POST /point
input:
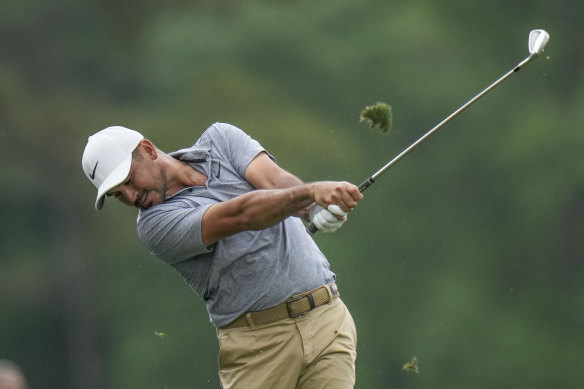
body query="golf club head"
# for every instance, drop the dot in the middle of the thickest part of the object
(537, 41)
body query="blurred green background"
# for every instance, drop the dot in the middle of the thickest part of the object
(467, 255)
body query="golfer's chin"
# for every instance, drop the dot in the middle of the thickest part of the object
(151, 199)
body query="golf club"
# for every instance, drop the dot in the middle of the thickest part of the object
(537, 41)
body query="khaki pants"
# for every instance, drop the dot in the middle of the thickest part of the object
(313, 351)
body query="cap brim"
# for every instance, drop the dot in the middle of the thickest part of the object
(115, 178)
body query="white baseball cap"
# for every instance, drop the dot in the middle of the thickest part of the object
(107, 158)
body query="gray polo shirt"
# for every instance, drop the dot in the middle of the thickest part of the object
(248, 271)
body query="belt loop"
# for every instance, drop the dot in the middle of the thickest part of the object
(249, 319)
(330, 292)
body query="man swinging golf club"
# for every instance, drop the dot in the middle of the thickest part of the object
(221, 213)
(227, 218)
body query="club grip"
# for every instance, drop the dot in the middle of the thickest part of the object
(366, 184)
(311, 229)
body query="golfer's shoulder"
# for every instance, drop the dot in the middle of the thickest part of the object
(223, 131)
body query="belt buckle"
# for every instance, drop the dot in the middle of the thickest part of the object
(294, 299)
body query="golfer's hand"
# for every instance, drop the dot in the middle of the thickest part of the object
(327, 220)
(343, 194)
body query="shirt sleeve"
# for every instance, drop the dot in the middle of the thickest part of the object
(235, 146)
(172, 231)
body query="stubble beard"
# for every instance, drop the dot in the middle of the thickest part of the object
(160, 191)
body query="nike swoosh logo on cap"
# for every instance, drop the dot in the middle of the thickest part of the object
(92, 174)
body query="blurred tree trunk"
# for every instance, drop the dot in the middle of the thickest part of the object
(75, 271)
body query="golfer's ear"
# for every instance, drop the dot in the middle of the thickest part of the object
(148, 149)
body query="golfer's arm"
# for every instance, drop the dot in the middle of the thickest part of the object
(263, 173)
(279, 195)
(255, 210)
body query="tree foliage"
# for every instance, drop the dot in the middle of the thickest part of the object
(468, 255)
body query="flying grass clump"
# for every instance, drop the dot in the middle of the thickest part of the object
(161, 335)
(412, 366)
(377, 116)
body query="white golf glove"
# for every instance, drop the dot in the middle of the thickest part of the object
(326, 219)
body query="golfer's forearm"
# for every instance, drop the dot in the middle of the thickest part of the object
(256, 210)
(285, 180)
(289, 181)
(264, 208)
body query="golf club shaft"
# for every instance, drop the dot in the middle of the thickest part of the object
(368, 182)
(372, 179)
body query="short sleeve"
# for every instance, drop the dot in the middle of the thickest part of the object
(235, 146)
(172, 231)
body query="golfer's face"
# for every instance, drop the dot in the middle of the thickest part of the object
(144, 186)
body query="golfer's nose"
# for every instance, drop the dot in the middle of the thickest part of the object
(130, 194)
